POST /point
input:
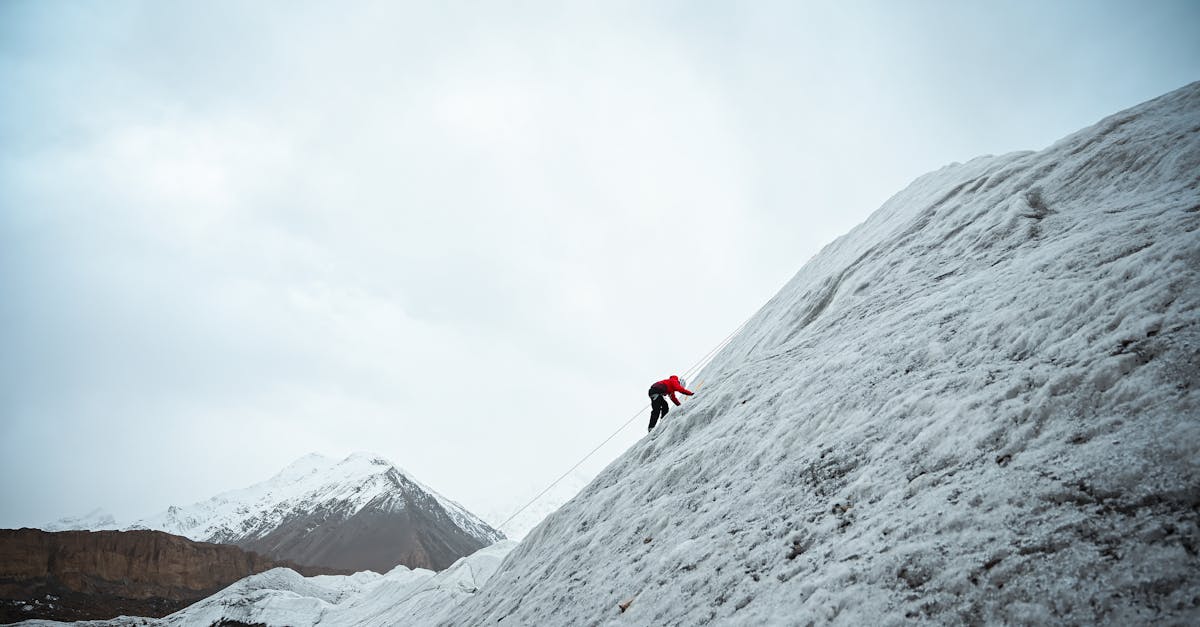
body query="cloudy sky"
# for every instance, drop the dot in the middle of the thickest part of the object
(464, 235)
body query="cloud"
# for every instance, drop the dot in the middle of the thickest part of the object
(464, 236)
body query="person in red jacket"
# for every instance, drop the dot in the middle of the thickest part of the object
(658, 404)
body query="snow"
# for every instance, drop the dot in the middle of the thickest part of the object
(355, 482)
(980, 406)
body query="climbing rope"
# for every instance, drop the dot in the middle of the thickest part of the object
(687, 375)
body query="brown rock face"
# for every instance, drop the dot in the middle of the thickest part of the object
(101, 574)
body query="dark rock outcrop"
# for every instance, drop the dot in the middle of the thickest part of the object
(78, 575)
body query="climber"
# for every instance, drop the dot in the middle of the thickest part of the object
(658, 404)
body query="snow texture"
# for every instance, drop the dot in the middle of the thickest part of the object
(358, 481)
(980, 406)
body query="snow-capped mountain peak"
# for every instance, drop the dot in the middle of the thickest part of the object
(316, 491)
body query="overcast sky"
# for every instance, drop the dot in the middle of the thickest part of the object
(465, 236)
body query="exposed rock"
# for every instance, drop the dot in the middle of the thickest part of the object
(76, 575)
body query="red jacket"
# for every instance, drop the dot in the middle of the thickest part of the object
(672, 386)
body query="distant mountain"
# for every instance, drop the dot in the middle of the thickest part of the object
(95, 520)
(360, 513)
(80, 575)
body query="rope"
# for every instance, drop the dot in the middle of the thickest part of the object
(577, 465)
(687, 375)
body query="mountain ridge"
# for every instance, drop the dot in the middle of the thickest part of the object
(360, 512)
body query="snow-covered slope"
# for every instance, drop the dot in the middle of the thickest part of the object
(980, 406)
(360, 512)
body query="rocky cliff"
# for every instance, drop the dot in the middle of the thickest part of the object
(73, 575)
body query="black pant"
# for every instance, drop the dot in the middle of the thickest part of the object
(658, 404)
